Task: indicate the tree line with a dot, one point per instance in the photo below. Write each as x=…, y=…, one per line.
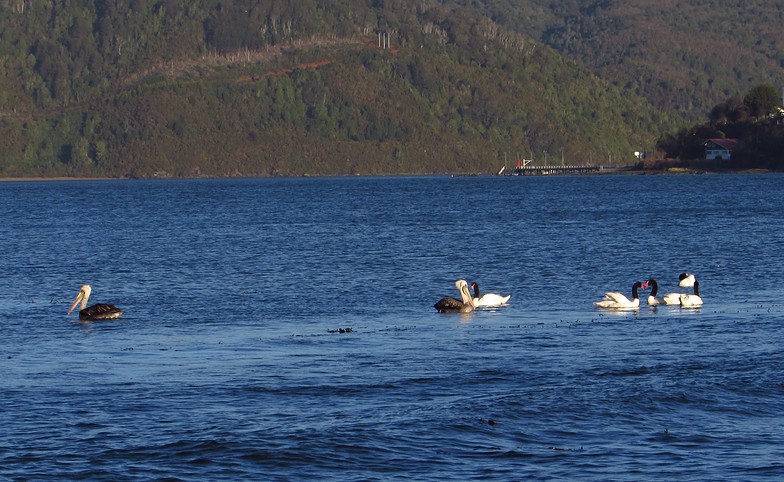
x=756, y=121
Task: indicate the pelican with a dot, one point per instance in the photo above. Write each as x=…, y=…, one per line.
x=452, y=305
x=692, y=301
x=668, y=299
x=488, y=299
x=686, y=280
x=101, y=311
x=613, y=299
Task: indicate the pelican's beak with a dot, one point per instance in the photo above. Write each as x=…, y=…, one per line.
x=76, y=301
x=467, y=294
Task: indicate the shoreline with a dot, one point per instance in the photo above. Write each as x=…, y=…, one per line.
x=33, y=179
x=632, y=171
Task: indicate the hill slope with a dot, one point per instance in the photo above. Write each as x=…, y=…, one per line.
x=683, y=56
x=156, y=88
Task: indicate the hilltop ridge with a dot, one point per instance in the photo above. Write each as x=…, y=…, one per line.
x=155, y=88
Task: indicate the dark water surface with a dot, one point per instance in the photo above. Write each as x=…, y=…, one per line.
x=229, y=362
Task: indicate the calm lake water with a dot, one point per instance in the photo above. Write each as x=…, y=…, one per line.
x=284, y=329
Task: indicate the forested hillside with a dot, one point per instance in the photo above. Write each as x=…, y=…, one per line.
x=165, y=88
x=683, y=56
x=146, y=88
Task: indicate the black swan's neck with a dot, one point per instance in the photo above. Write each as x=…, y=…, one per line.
x=476, y=290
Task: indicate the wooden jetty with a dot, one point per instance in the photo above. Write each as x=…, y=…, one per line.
x=547, y=170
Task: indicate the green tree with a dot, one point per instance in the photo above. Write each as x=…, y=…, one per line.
x=761, y=100
x=731, y=110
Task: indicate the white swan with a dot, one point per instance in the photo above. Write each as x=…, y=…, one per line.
x=686, y=280
x=672, y=298
x=694, y=300
x=668, y=299
x=613, y=299
x=488, y=299
x=448, y=304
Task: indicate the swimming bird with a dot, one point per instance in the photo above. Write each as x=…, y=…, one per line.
x=693, y=300
x=668, y=299
x=452, y=305
x=100, y=311
x=613, y=299
x=488, y=299
x=686, y=280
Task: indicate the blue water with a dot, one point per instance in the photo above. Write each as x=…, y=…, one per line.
x=283, y=329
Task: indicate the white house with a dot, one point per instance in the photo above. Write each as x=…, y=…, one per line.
x=720, y=149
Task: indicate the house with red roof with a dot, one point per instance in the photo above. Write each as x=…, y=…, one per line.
x=720, y=149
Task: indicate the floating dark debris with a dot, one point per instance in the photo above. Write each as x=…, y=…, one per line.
x=342, y=330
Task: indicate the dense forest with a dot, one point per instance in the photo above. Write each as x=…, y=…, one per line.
x=683, y=56
x=148, y=88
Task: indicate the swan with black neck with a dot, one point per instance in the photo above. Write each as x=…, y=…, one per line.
x=686, y=280
x=693, y=300
x=488, y=299
x=668, y=299
x=616, y=300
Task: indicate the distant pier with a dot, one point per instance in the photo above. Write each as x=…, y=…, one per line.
x=547, y=170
